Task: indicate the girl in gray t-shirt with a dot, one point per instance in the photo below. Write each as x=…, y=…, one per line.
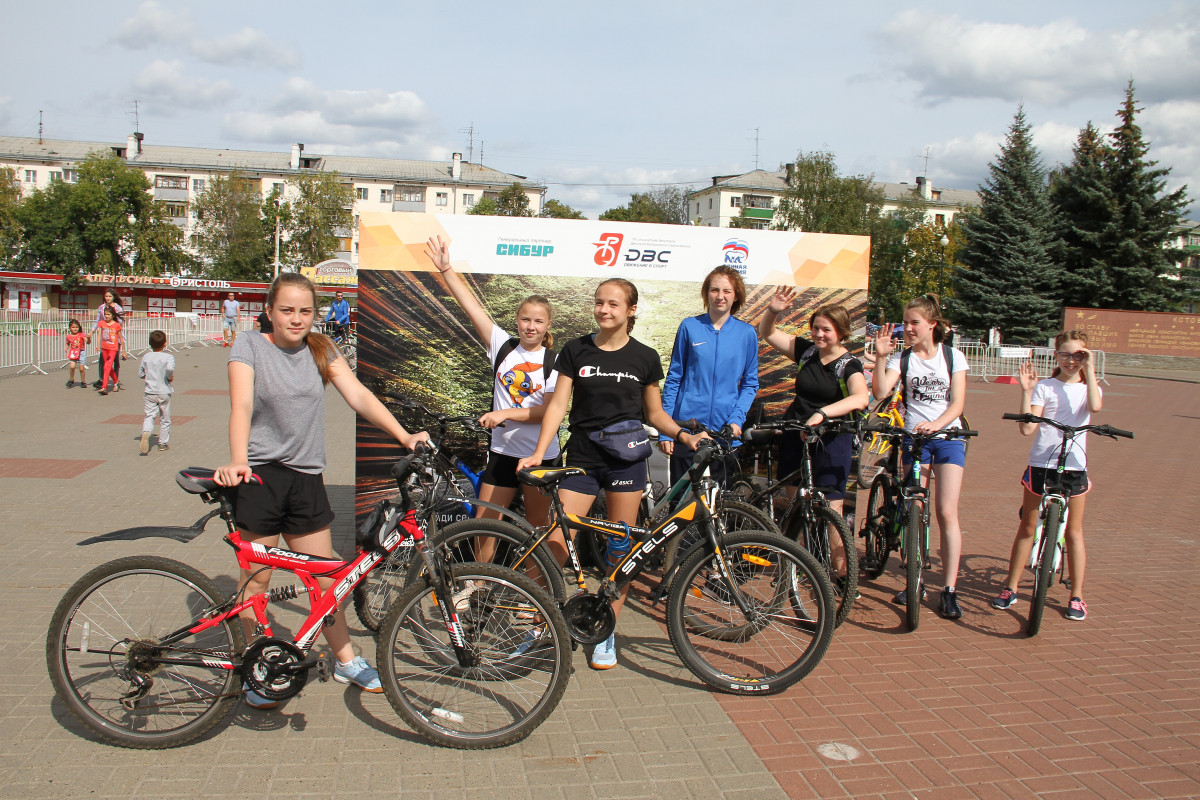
x=277, y=432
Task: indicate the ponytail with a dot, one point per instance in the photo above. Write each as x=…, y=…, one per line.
x=930, y=307
x=324, y=351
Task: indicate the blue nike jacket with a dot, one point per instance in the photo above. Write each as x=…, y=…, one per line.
x=713, y=375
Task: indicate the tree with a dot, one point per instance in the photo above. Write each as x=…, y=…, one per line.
x=106, y=222
x=1008, y=278
x=557, y=210
x=229, y=235
x=10, y=224
x=512, y=201
x=1145, y=220
x=820, y=200
x=890, y=257
x=321, y=212
x=484, y=207
x=667, y=205
x=1086, y=220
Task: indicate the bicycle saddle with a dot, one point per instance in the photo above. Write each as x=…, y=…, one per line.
x=199, y=480
x=543, y=477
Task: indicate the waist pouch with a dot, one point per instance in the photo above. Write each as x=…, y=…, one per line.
x=626, y=440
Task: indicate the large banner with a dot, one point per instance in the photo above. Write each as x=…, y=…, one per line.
x=415, y=340
x=1147, y=333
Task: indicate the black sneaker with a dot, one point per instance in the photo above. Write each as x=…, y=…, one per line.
x=901, y=597
x=1006, y=599
x=950, y=609
x=70, y=384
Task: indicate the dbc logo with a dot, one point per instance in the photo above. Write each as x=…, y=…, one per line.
x=608, y=248
x=737, y=253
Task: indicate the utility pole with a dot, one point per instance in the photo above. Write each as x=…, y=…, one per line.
x=277, y=238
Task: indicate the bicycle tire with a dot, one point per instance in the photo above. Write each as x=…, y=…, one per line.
x=140, y=599
x=350, y=353
x=500, y=700
x=813, y=534
x=913, y=534
x=1045, y=571
x=773, y=650
x=880, y=512
x=737, y=517
x=512, y=543
x=383, y=584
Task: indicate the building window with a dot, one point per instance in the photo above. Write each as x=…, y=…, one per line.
x=469, y=200
x=361, y=192
x=939, y=220
x=411, y=194
x=1193, y=241
x=735, y=202
x=73, y=302
x=385, y=195
x=937, y=194
x=757, y=201
x=170, y=182
x=55, y=177
x=344, y=244
x=442, y=198
x=277, y=188
x=697, y=208
x=175, y=210
x=710, y=204
x=31, y=176
x=198, y=185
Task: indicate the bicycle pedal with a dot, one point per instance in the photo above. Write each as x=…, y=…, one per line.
x=324, y=667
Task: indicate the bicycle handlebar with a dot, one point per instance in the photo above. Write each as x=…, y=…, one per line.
x=1100, y=430
x=944, y=433
x=470, y=421
x=764, y=432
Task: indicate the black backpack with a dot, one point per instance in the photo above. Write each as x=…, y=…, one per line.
x=948, y=355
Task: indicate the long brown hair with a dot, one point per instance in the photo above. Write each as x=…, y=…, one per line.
x=739, y=286
x=544, y=302
x=930, y=307
x=324, y=351
x=1067, y=336
x=631, y=298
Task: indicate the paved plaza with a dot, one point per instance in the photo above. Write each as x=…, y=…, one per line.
x=1106, y=708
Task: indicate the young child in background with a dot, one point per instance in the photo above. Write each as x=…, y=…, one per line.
x=111, y=343
x=76, y=357
x=158, y=370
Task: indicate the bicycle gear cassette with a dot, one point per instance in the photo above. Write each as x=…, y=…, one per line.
x=590, y=618
x=271, y=668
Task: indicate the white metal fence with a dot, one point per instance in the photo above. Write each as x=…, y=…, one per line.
x=987, y=363
x=38, y=342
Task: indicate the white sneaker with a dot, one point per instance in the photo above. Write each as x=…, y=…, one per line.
x=604, y=656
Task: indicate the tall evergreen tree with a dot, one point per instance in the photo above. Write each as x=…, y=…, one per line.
x=1086, y=216
x=1009, y=279
x=1145, y=219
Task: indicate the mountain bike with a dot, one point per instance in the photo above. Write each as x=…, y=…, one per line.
x=748, y=612
x=346, y=340
x=897, y=515
x=1049, y=544
x=147, y=653
x=809, y=520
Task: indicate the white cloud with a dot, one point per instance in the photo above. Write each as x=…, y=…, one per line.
x=247, y=47
x=952, y=57
x=169, y=90
x=151, y=25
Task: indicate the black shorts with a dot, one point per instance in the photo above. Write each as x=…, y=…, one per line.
x=288, y=502
x=501, y=470
x=831, y=459
x=1074, y=482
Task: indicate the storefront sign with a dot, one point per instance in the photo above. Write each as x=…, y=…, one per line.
x=334, y=272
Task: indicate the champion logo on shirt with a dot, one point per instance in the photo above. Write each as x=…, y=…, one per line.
x=596, y=372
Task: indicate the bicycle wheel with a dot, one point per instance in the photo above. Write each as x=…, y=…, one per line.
x=383, y=584
x=107, y=666
x=880, y=511
x=779, y=642
x=814, y=528
x=735, y=515
x=464, y=538
x=518, y=637
x=913, y=534
x=1045, y=571
x=350, y=353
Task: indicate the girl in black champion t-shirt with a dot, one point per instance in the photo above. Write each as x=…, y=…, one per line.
x=612, y=377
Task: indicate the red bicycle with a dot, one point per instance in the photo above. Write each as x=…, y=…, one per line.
x=148, y=653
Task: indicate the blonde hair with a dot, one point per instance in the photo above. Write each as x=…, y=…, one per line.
x=544, y=302
x=836, y=314
x=929, y=307
x=324, y=351
x=631, y=297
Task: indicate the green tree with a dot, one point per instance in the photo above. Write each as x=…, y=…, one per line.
x=484, y=207
x=1008, y=277
x=1086, y=219
x=890, y=288
x=319, y=214
x=557, y=210
x=819, y=199
x=1146, y=217
x=10, y=224
x=667, y=205
x=106, y=222
x=513, y=201
x=229, y=235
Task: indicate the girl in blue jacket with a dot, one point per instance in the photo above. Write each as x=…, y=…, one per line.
x=713, y=375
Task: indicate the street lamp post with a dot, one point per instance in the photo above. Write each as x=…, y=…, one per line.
x=945, y=240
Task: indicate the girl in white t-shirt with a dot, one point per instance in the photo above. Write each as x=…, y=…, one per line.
x=520, y=386
x=1070, y=395
x=935, y=393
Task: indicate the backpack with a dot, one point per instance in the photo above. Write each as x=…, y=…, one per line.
x=948, y=355
x=839, y=369
x=506, y=348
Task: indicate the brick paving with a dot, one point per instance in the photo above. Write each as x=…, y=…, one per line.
x=1106, y=708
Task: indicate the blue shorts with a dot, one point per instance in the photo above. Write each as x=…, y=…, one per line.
x=831, y=458
x=943, y=451
x=617, y=477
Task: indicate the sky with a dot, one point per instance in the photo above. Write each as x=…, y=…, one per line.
x=598, y=100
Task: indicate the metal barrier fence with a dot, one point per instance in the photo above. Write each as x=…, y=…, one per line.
x=987, y=363
x=39, y=344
